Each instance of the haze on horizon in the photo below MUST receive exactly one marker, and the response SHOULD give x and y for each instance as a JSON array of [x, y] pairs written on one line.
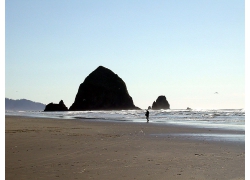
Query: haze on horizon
[[185, 50]]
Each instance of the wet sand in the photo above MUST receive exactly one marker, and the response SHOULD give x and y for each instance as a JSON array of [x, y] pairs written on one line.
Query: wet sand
[[39, 148]]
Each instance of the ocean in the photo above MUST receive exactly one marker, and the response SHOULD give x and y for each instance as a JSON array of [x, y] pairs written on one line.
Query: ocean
[[213, 118]]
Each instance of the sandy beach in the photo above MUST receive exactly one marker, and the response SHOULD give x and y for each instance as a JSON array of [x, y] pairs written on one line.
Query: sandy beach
[[39, 148]]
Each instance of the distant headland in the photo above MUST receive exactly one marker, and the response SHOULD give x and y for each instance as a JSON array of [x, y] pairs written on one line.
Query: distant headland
[[23, 105], [104, 90]]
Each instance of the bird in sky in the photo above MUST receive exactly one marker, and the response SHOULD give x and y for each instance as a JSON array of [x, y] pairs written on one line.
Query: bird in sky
[[216, 93]]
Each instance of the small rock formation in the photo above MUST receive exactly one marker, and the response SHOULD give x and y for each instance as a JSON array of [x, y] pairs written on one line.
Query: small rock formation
[[102, 90], [56, 107], [160, 103]]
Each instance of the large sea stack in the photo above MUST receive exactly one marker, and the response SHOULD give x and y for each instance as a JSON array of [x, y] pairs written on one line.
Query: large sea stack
[[161, 103], [102, 90]]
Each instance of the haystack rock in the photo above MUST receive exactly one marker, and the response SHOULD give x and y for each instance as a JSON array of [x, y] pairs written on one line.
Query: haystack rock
[[160, 103], [102, 90], [56, 107]]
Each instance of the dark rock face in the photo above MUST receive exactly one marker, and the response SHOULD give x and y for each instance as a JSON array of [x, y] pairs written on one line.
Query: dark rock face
[[161, 103], [56, 107], [102, 90]]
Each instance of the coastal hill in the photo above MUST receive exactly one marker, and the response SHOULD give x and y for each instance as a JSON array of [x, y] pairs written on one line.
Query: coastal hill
[[23, 105], [102, 90]]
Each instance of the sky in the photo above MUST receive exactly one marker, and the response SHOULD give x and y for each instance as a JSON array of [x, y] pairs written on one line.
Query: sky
[[184, 49]]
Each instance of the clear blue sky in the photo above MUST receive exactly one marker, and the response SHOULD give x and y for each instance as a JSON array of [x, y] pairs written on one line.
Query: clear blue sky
[[184, 49]]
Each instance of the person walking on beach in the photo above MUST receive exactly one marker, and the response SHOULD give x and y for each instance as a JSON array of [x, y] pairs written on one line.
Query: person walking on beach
[[147, 115]]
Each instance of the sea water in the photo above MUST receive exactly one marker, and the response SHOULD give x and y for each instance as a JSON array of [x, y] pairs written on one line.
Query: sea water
[[225, 119], [214, 118]]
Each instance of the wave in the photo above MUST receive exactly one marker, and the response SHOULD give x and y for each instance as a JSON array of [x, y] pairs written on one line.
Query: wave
[[202, 117]]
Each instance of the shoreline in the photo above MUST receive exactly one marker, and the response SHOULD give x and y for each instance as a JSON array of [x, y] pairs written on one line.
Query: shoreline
[[194, 132], [43, 148], [156, 123]]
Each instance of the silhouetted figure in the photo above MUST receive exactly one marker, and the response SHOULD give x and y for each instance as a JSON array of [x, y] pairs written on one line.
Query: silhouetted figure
[[147, 115]]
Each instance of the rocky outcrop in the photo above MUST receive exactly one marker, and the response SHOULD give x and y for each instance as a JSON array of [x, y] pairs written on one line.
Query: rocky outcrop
[[160, 103], [102, 90], [56, 107], [188, 108]]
